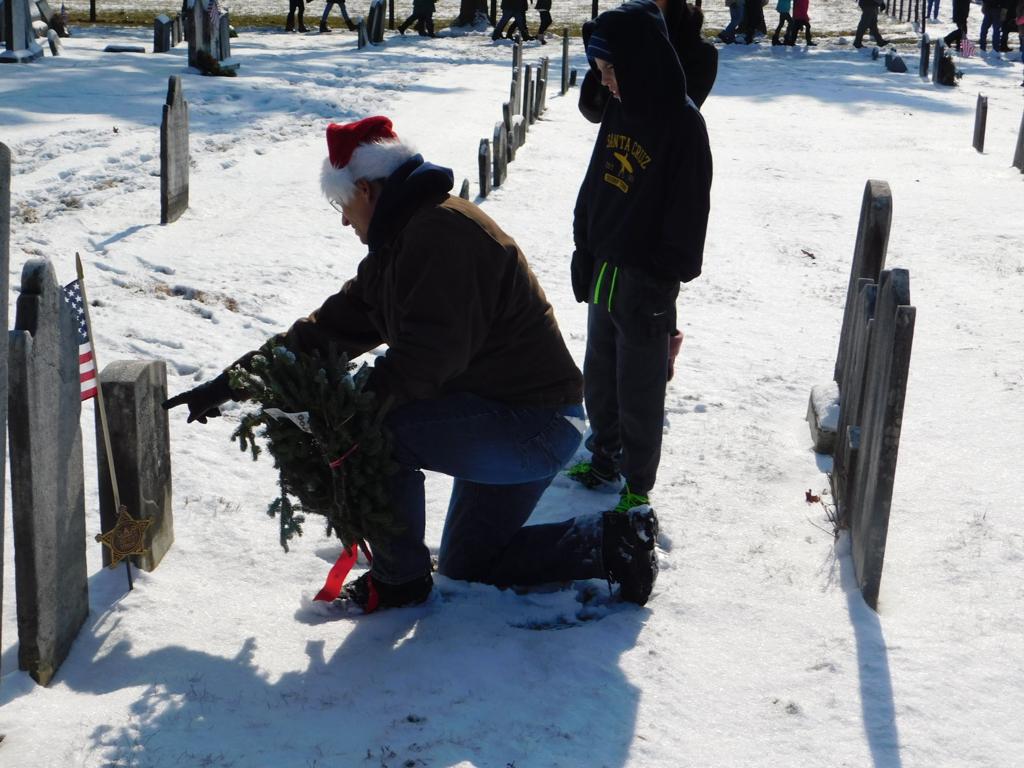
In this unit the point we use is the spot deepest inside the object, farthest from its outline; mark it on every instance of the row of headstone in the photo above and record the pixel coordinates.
(167, 32)
(870, 379)
(174, 154)
(20, 44)
(527, 101)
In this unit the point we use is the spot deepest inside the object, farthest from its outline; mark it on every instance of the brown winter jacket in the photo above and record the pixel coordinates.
(453, 298)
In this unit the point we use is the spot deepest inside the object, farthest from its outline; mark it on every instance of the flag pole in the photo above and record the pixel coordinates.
(100, 406)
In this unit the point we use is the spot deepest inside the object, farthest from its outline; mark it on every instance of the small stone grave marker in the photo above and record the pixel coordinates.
(56, 46)
(174, 155)
(499, 146)
(980, 118)
(163, 34)
(140, 442)
(565, 61)
(117, 48)
(484, 167)
(1018, 155)
(361, 40)
(894, 62)
(464, 190)
(926, 49)
(5, 253)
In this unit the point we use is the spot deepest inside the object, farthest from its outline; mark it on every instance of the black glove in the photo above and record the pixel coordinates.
(204, 401)
(582, 270)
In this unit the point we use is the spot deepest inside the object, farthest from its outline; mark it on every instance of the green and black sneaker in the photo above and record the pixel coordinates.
(628, 552)
(589, 476)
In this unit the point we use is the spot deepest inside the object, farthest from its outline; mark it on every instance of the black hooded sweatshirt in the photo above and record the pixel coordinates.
(645, 199)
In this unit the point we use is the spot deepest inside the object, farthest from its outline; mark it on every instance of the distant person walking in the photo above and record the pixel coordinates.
(294, 22)
(544, 9)
(423, 16)
(344, 15)
(515, 11)
(728, 35)
(961, 10)
(783, 7)
(869, 21)
(933, 10)
(801, 21)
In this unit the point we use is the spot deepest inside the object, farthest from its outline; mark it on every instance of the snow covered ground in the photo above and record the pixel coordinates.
(755, 649)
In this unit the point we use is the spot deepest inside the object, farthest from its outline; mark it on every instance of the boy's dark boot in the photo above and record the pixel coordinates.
(627, 549)
(289, 22)
(368, 595)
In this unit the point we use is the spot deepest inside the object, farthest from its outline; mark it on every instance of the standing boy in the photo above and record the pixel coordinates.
(640, 221)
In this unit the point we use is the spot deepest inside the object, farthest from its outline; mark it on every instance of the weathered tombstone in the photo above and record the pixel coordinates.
(361, 39)
(529, 99)
(506, 115)
(3, 24)
(844, 456)
(117, 48)
(980, 118)
(572, 78)
(484, 167)
(204, 32)
(868, 254)
(517, 55)
(518, 134)
(894, 62)
(541, 97)
(46, 13)
(224, 34)
(1018, 155)
(47, 488)
(565, 61)
(375, 22)
(500, 154)
(874, 54)
(940, 52)
(20, 44)
(140, 442)
(885, 387)
(464, 190)
(5, 253)
(163, 34)
(186, 21)
(922, 65)
(176, 33)
(513, 94)
(56, 46)
(174, 154)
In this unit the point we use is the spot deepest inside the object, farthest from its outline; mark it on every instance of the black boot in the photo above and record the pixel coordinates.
(627, 549)
(324, 27)
(367, 595)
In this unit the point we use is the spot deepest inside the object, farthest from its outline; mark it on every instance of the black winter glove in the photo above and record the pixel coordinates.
(204, 401)
(582, 269)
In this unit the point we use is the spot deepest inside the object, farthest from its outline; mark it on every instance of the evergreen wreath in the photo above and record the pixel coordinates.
(329, 446)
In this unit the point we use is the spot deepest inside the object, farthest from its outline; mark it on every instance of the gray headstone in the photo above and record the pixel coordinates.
(823, 417)
(115, 48)
(464, 191)
(140, 442)
(176, 32)
(518, 134)
(484, 167)
(513, 95)
(940, 51)
(874, 54)
(565, 61)
(528, 103)
(499, 146)
(20, 44)
(5, 254)
(894, 62)
(572, 78)
(540, 97)
(195, 21)
(56, 46)
(47, 490)
(3, 24)
(922, 64)
(1018, 155)
(851, 387)
(163, 34)
(506, 115)
(224, 37)
(174, 154)
(980, 118)
(375, 22)
(361, 40)
(888, 368)
(517, 55)
(868, 256)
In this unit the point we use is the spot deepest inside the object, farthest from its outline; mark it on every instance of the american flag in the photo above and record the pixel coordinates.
(967, 48)
(86, 365)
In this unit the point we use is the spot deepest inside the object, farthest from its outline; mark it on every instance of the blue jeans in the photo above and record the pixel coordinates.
(993, 19)
(933, 9)
(735, 17)
(502, 458)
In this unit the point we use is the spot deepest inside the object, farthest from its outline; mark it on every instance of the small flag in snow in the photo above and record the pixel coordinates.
(967, 48)
(86, 365)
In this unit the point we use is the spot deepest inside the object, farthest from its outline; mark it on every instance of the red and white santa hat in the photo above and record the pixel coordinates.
(366, 149)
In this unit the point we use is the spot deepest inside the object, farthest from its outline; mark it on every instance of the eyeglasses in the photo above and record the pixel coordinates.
(337, 206)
